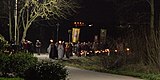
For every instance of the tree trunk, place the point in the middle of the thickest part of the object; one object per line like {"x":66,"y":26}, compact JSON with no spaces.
{"x":10,"y":26}
{"x":153,"y":48}
{"x":24,"y":33}
{"x":159,"y":21}
{"x":10,"y":22}
{"x":18,"y":36}
{"x":152,"y":17}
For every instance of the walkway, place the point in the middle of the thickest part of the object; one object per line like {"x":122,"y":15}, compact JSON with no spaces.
{"x":80,"y":74}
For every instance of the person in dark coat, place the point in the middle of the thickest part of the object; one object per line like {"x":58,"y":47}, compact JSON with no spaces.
{"x":52,"y":50}
{"x":68,"y":50}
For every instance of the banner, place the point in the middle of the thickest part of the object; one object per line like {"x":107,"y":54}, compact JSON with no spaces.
{"x":75,"y":34}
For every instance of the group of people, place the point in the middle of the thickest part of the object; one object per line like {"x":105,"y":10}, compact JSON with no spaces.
{"x":59,"y":50}
{"x":28,"y":46}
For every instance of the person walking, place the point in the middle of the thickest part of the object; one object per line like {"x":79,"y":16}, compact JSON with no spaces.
{"x":38,"y":47}
{"x":68,"y":50}
{"x":52,"y":50}
{"x":60,"y":48}
{"x":30,"y":47}
{"x":78,"y":49}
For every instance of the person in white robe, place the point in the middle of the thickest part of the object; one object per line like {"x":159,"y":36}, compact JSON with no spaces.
{"x":60,"y":49}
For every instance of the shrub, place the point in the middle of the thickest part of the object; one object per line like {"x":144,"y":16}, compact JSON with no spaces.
{"x":16,"y":64}
{"x":3,"y":42}
{"x":46,"y":71}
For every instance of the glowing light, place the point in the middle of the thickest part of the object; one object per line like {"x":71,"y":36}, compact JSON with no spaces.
{"x":97,"y":51}
{"x":75,"y":22}
{"x":127,"y":49}
{"x":51,"y":40}
{"x":107,"y":50}
{"x":115,"y":51}
{"x":73,"y":54}
{"x":60,"y":41}
{"x":81,"y":53}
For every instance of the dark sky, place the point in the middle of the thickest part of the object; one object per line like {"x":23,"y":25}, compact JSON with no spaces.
{"x":97,"y":12}
{"x":100,"y":13}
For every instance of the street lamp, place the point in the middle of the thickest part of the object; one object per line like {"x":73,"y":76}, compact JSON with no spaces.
{"x":57,"y":30}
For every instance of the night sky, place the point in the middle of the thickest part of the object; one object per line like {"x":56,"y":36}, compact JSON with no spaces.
{"x":100,"y":13}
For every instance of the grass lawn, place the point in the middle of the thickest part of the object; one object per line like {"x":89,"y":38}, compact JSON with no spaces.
{"x":11,"y":79}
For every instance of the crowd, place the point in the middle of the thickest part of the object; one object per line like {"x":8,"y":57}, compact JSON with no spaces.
{"x":61,"y":49}
{"x":28,"y":46}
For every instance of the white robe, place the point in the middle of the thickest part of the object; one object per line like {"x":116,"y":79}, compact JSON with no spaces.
{"x":49,"y":48}
{"x":60,"y":51}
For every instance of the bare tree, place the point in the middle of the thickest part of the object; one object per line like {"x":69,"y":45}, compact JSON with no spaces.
{"x":33,"y":9}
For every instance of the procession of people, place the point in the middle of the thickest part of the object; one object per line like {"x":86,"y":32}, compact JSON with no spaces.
{"x":62,"y":49}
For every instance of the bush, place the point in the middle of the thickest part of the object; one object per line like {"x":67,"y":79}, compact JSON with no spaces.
{"x":16,"y":64}
{"x":3,"y":42}
{"x":46,"y":71}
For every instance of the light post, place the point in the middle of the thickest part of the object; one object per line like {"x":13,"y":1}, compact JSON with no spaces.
{"x":57,"y":30}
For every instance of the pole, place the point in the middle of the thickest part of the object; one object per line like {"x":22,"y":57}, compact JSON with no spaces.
{"x":15,"y":17}
{"x":69,"y":37}
{"x":57,"y":30}
{"x":69,"y":34}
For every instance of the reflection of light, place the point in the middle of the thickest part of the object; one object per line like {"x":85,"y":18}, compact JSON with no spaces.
{"x":127,"y":49}
{"x":115,"y":51}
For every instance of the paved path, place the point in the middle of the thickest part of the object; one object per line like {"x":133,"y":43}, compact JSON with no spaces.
{"x":80,"y":74}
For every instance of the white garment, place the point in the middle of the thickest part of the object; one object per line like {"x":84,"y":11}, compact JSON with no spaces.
{"x":49,"y":48}
{"x":60,"y":51}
